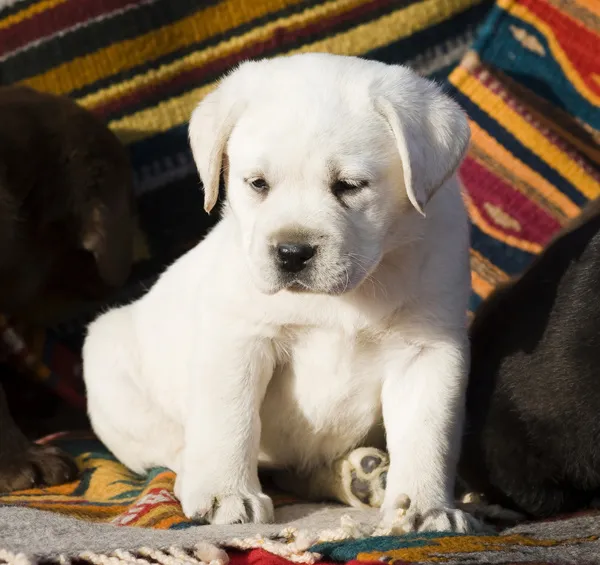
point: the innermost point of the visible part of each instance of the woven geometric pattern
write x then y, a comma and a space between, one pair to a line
531, 87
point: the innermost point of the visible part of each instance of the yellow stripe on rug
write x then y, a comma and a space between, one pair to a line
358, 40
29, 12
127, 54
222, 50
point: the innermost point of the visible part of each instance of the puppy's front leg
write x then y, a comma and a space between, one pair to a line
423, 406
218, 478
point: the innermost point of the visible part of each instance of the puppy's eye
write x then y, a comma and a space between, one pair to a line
258, 184
342, 187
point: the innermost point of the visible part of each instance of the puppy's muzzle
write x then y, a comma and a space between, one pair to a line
294, 257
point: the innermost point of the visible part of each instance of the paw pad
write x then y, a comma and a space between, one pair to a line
363, 475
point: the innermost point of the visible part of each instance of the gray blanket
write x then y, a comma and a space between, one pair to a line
30, 536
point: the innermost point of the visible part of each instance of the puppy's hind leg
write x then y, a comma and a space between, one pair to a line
358, 479
133, 428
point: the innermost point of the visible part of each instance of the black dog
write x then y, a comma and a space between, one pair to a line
532, 437
65, 231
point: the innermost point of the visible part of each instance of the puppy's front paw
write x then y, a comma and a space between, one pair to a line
445, 520
435, 520
37, 466
240, 507
404, 516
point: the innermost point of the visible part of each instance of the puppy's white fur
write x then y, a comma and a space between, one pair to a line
228, 361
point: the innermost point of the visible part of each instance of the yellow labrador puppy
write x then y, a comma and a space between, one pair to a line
325, 312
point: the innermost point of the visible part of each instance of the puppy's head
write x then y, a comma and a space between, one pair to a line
329, 162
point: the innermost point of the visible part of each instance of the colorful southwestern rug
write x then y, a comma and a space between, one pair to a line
530, 84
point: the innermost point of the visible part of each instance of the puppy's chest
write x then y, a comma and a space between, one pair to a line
324, 397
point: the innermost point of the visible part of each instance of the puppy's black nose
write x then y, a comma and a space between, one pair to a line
293, 257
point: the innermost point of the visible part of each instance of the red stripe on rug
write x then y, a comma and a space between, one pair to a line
280, 38
59, 18
262, 557
505, 208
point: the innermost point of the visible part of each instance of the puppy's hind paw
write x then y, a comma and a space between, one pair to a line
363, 476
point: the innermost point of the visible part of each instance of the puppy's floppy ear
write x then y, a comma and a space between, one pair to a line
210, 127
431, 131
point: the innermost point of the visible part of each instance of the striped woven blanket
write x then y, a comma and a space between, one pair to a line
530, 84
143, 65
531, 87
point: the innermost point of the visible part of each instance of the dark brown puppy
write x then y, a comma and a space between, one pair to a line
65, 230
532, 438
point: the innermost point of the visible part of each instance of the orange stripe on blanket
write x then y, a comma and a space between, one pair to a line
482, 287
486, 268
485, 276
591, 5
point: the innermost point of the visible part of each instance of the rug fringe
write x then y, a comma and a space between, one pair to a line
294, 545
